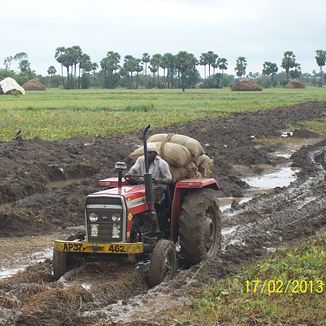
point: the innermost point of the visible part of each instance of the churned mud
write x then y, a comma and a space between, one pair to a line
42, 190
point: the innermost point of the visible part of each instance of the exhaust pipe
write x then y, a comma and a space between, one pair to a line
147, 176
149, 193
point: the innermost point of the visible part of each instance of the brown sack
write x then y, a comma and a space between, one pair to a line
178, 173
205, 165
175, 154
191, 144
186, 172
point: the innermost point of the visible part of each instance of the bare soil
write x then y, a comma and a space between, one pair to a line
42, 191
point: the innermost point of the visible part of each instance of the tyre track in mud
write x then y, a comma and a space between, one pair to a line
98, 293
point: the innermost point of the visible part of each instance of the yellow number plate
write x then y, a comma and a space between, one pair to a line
110, 248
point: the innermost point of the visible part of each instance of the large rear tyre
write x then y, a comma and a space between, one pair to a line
200, 226
163, 264
60, 263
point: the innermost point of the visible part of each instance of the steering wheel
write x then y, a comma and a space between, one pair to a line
134, 178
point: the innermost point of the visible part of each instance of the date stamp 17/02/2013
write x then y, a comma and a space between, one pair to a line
278, 286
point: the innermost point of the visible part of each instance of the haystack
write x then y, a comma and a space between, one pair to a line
295, 83
246, 85
34, 85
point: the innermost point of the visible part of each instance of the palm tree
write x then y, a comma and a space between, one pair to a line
77, 56
69, 59
153, 70
51, 71
84, 64
288, 62
146, 59
215, 64
7, 62
203, 61
155, 63
59, 55
129, 65
222, 65
138, 68
94, 68
241, 66
172, 69
20, 56
168, 60
320, 59
212, 57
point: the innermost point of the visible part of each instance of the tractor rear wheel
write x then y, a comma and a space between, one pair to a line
60, 263
163, 264
200, 225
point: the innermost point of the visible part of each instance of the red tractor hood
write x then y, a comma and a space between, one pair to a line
134, 196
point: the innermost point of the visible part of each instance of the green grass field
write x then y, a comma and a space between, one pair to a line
59, 114
286, 288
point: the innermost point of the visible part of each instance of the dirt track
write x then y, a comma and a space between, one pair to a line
43, 188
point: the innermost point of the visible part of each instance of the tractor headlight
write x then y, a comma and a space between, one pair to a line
116, 217
93, 217
94, 230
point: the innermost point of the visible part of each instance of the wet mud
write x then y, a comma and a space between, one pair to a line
31, 170
43, 187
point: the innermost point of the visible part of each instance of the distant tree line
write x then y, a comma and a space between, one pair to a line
24, 67
158, 70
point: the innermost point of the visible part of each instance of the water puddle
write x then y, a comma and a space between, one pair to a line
306, 201
227, 231
34, 258
260, 184
281, 178
86, 286
226, 202
11, 271
285, 155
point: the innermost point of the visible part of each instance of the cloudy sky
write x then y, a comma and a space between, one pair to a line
260, 30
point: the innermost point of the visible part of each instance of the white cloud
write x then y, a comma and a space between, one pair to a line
258, 29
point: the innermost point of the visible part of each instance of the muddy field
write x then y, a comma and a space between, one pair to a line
42, 191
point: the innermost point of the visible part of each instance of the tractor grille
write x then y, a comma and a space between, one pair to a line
105, 219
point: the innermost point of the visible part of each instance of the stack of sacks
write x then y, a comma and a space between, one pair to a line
184, 154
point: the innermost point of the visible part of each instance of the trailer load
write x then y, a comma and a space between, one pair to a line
184, 155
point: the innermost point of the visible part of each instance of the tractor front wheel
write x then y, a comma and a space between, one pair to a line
163, 264
60, 263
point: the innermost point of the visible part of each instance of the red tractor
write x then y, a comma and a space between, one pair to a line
121, 221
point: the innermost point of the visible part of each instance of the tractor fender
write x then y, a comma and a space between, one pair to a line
176, 204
